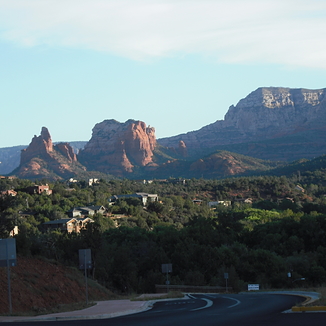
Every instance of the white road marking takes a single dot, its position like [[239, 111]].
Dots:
[[237, 301], [211, 296], [179, 303], [191, 296], [209, 304]]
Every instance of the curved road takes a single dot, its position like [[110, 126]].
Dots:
[[246, 309]]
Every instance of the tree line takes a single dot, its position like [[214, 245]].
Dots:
[[281, 232]]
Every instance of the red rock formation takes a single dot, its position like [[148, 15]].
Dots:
[[182, 150], [66, 150], [41, 145], [118, 147], [225, 164], [42, 159]]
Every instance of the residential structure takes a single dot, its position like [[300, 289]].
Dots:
[[243, 200], [14, 231], [87, 211], [297, 187], [68, 224], [92, 181], [39, 190], [10, 192], [144, 197], [219, 202]]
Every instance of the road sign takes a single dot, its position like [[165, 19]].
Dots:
[[85, 259], [8, 252], [253, 287], [8, 259], [166, 268]]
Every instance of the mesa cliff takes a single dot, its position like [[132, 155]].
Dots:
[[274, 123]]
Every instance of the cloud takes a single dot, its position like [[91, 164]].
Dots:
[[288, 32]]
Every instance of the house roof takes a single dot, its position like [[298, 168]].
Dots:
[[135, 195], [87, 208]]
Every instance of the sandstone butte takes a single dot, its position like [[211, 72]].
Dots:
[[118, 148]]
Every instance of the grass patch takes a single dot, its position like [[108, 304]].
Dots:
[[322, 299]]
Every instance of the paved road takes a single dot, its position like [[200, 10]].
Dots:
[[208, 310]]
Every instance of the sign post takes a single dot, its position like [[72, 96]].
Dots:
[[85, 262], [7, 259], [167, 268], [226, 276]]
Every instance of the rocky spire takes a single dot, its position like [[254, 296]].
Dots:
[[40, 145]]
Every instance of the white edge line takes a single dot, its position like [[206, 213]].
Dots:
[[237, 302], [191, 296], [209, 304]]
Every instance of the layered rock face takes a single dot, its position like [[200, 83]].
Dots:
[[281, 109], [267, 113], [118, 148]]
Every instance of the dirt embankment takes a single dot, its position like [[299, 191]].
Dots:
[[39, 286]]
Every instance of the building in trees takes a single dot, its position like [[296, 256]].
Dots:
[[144, 197], [68, 224], [39, 190]]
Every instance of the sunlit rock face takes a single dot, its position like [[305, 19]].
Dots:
[[118, 148], [40, 145], [42, 159]]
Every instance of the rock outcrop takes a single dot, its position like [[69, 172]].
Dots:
[[266, 114], [40, 146], [267, 110], [182, 149], [42, 159], [66, 150], [118, 148]]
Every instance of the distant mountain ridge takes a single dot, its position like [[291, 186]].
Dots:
[[276, 124], [268, 113]]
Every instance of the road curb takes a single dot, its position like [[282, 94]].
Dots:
[[310, 308]]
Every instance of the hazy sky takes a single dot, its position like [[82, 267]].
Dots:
[[177, 65]]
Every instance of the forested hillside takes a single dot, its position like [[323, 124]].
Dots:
[[262, 228]]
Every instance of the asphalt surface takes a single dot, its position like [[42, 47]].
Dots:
[[115, 308]]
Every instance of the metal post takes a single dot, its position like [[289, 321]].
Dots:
[[86, 278], [226, 276], [8, 273]]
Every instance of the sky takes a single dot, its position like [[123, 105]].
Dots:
[[177, 65]]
